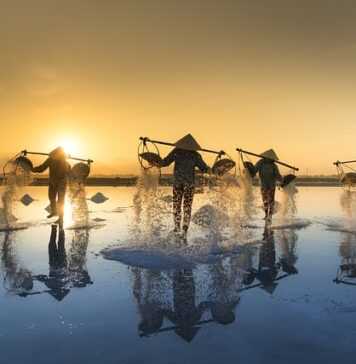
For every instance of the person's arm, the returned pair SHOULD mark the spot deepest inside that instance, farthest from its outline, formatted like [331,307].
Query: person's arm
[42,167]
[258,165]
[169,159]
[277,174]
[202,165]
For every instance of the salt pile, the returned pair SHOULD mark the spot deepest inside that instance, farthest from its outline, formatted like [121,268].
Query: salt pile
[26,199]
[98,198]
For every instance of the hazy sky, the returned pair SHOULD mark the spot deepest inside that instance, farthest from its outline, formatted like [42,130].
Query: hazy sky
[251,74]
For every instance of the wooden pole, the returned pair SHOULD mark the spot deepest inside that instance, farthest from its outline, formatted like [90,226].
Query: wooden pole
[25,152]
[338,162]
[260,156]
[145,139]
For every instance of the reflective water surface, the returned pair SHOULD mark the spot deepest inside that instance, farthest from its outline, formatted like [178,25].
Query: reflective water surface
[276,296]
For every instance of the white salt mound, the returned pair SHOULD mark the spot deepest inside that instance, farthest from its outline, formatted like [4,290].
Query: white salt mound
[148,259]
[98,198]
[290,224]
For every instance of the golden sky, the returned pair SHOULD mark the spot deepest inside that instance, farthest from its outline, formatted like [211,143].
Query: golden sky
[254,74]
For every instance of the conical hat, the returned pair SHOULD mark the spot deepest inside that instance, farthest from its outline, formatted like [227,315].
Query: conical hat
[58,153]
[270,154]
[187,143]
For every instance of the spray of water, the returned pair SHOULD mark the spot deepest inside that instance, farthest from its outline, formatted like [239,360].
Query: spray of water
[78,199]
[348,204]
[288,206]
[247,197]
[149,208]
[16,178]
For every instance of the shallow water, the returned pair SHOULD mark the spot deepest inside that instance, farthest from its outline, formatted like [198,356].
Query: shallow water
[264,296]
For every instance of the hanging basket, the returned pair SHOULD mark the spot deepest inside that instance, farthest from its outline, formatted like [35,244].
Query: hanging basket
[287,179]
[24,163]
[251,168]
[223,166]
[151,158]
[79,172]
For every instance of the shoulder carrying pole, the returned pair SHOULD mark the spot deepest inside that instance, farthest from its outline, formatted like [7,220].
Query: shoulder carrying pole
[260,156]
[145,139]
[338,162]
[25,152]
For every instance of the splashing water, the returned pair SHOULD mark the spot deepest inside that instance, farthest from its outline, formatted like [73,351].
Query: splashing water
[77,195]
[149,208]
[288,206]
[15,180]
[348,205]
[247,196]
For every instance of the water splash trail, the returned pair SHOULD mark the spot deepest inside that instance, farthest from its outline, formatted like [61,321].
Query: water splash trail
[348,205]
[148,208]
[15,180]
[288,204]
[78,200]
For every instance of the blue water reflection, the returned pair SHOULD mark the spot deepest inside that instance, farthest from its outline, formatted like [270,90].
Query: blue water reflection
[288,298]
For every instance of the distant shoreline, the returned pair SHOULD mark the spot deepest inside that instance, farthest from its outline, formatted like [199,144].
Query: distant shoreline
[166,180]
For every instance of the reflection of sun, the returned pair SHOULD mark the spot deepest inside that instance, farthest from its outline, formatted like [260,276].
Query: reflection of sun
[69,146]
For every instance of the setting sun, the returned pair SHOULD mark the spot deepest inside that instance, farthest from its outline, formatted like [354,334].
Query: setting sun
[69,146]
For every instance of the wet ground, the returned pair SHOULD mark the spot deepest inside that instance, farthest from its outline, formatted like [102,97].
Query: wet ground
[270,296]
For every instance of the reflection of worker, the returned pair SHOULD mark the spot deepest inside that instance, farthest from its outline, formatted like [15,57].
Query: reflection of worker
[185,314]
[77,257]
[186,159]
[225,296]
[347,251]
[147,288]
[58,171]
[269,174]
[57,280]
[18,279]
[66,272]
[267,267]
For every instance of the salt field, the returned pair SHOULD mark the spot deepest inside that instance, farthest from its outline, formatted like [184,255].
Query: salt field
[118,286]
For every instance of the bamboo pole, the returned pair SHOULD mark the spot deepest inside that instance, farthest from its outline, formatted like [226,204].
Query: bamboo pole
[260,156]
[338,162]
[145,139]
[25,152]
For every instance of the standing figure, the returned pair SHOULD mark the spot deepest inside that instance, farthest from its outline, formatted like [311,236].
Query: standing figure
[58,171]
[186,159]
[269,174]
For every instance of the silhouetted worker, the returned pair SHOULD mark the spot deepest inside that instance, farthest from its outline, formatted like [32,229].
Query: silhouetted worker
[58,172]
[269,174]
[186,159]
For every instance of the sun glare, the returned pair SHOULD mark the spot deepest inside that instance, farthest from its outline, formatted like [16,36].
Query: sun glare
[69,146]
